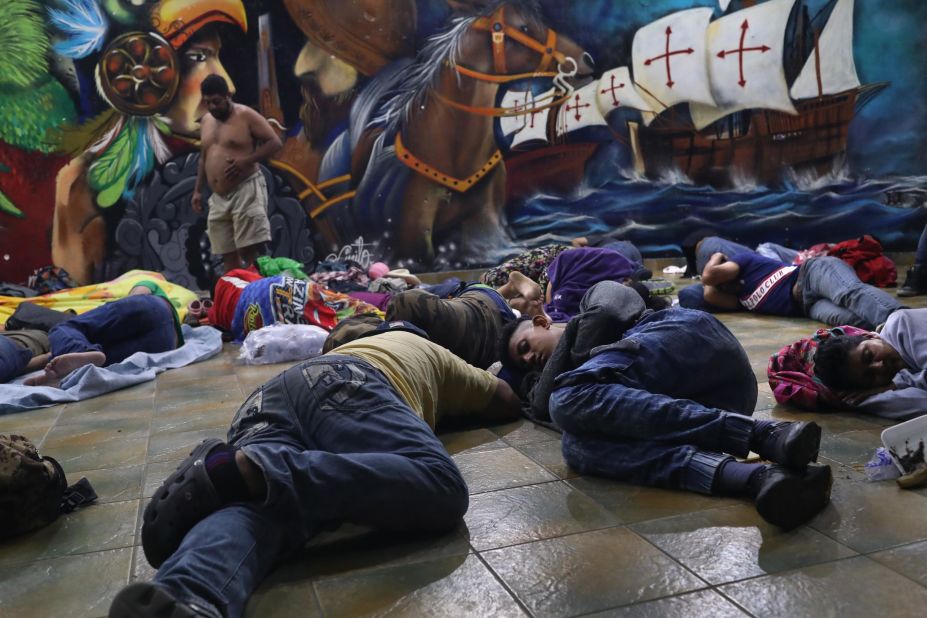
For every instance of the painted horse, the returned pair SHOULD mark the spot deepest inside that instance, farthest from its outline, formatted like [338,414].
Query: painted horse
[427,178]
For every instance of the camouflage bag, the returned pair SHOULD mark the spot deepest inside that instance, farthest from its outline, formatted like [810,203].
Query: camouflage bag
[33,489]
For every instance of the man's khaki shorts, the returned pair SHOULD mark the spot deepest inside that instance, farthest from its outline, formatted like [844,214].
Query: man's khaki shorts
[239,219]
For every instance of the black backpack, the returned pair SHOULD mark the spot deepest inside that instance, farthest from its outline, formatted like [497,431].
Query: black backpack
[33,489]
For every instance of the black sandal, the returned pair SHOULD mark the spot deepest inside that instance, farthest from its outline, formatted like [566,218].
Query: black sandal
[186,497]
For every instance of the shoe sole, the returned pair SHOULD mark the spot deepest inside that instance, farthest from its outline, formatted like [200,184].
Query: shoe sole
[796,499]
[158,543]
[145,600]
[805,447]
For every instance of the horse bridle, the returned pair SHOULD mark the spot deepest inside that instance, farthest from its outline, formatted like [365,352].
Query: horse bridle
[495,25]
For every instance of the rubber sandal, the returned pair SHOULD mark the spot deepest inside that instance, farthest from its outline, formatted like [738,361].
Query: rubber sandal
[186,497]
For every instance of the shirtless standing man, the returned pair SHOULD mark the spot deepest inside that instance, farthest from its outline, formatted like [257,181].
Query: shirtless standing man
[234,138]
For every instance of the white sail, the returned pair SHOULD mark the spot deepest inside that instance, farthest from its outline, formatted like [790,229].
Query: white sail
[745,54]
[723,4]
[616,89]
[580,110]
[704,115]
[669,59]
[515,100]
[534,126]
[835,56]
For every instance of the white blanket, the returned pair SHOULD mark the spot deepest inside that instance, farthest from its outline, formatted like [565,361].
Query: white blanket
[90,381]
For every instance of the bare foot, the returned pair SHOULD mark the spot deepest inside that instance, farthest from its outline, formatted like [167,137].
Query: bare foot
[66,363]
[525,287]
[48,378]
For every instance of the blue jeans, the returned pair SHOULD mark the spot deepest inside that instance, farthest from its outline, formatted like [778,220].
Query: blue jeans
[920,256]
[714,244]
[661,415]
[777,252]
[833,294]
[336,444]
[13,359]
[139,323]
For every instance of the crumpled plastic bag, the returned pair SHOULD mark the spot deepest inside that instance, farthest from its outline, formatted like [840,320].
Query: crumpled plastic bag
[881,467]
[279,343]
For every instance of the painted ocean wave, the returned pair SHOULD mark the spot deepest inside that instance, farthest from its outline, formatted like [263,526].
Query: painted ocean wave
[656,216]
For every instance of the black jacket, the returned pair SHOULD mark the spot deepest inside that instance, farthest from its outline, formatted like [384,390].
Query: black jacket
[606,312]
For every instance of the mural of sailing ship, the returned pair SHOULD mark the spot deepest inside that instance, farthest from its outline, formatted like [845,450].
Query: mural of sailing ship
[752,94]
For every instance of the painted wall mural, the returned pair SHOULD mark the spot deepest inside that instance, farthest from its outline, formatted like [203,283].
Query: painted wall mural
[439,134]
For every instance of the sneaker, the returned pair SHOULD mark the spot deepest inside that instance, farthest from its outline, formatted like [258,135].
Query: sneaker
[659,287]
[915,283]
[788,499]
[186,497]
[146,600]
[793,444]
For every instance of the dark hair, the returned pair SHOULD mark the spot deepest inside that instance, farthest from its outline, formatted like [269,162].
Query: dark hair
[653,302]
[831,361]
[505,336]
[214,84]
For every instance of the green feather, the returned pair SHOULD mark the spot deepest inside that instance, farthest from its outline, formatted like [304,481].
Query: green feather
[110,172]
[7,206]
[24,44]
[27,116]
[160,125]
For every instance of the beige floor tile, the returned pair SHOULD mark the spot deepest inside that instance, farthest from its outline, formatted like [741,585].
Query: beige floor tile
[871,516]
[287,593]
[185,401]
[852,588]
[853,448]
[725,545]
[182,419]
[350,549]
[83,452]
[909,560]
[532,513]
[172,446]
[524,432]
[549,455]
[705,603]
[452,586]
[156,473]
[588,572]
[633,503]
[90,529]
[64,587]
[112,484]
[499,469]
[470,441]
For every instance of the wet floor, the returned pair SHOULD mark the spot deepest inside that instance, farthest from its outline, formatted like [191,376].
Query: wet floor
[538,539]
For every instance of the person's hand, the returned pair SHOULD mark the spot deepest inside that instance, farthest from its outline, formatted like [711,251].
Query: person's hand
[856,398]
[235,168]
[197,202]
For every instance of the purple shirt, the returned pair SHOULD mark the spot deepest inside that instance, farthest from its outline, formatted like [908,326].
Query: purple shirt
[767,284]
[574,271]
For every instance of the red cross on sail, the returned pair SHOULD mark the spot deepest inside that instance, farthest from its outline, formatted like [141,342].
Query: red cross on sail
[745,62]
[530,126]
[616,90]
[582,110]
[669,59]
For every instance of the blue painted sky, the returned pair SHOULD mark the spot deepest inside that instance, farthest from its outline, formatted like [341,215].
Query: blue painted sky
[890,45]
[887,137]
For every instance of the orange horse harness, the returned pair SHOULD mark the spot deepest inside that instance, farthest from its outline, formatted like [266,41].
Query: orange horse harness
[496,26]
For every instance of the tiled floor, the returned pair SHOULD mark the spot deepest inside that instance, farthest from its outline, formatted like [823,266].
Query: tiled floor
[538,539]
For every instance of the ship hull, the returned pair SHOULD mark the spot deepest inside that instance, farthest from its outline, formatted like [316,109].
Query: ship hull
[774,143]
[557,169]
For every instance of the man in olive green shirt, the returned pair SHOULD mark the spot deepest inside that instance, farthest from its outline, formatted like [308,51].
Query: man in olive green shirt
[345,437]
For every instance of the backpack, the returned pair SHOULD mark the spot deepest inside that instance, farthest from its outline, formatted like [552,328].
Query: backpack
[33,489]
[865,255]
[50,279]
[791,371]
[29,315]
